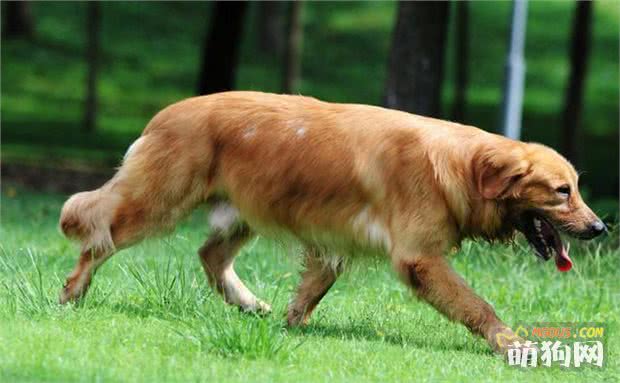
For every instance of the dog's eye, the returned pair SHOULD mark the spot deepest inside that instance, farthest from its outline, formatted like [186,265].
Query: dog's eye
[563,190]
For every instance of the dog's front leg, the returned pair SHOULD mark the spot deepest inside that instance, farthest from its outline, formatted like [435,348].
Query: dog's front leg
[434,281]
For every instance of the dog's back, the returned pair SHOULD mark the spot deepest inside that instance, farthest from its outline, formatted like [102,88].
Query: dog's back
[312,168]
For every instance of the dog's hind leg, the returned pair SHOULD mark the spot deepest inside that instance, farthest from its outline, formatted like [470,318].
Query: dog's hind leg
[317,278]
[89,217]
[157,185]
[86,217]
[217,257]
[77,283]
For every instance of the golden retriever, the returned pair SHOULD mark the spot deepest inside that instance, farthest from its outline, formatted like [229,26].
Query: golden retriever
[344,180]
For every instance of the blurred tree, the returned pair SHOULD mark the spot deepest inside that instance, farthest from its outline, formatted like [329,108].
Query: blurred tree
[292,57]
[93,25]
[221,48]
[461,61]
[415,68]
[18,21]
[270,27]
[573,101]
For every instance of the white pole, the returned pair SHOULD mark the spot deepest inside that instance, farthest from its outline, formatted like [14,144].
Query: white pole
[515,72]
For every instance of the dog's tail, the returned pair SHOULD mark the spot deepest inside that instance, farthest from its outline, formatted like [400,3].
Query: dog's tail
[87,217]
[165,173]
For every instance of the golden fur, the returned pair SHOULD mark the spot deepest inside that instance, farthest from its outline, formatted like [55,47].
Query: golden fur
[341,178]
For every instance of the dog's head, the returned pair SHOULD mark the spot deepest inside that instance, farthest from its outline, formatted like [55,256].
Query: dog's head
[538,189]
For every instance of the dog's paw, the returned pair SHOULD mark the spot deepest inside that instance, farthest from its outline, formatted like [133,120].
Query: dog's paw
[501,338]
[514,349]
[66,296]
[263,308]
[259,308]
[296,318]
[63,297]
[71,292]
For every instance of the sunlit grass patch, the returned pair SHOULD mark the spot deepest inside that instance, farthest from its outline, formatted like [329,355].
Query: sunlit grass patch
[150,314]
[229,332]
[165,290]
[26,291]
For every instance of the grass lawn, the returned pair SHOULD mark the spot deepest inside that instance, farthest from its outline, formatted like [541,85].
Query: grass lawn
[150,315]
[151,54]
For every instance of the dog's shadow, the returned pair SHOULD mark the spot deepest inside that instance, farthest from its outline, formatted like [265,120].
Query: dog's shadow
[362,330]
[420,340]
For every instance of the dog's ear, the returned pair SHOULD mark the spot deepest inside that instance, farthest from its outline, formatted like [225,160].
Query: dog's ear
[498,169]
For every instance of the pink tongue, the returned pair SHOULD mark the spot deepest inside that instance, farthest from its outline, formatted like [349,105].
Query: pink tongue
[563,261]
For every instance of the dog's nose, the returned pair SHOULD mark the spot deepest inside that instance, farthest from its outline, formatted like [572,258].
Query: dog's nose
[597,228]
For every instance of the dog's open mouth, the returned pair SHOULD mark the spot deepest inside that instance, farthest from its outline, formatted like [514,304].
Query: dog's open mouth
[545,239]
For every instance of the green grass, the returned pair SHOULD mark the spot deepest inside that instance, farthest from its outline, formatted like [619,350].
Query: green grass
[151,56]
[150,315]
